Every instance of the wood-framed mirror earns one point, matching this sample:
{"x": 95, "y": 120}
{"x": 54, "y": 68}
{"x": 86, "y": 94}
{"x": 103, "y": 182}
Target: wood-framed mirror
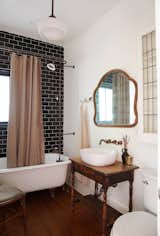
{"x": 115, "y": 100}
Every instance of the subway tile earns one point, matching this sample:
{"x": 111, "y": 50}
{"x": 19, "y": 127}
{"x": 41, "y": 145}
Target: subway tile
{"x": 52, "y": 84}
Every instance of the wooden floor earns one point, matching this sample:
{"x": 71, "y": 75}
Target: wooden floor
{"x": 53, "y": 217}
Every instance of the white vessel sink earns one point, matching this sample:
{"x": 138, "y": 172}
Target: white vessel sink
{"x": 98, "y": 156}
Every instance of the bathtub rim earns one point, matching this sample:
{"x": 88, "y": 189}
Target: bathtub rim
{"x": 25, "y": 168}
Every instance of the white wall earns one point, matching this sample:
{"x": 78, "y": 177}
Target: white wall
{"x": 158, "y": 67}
{"x": 113, "y": 42}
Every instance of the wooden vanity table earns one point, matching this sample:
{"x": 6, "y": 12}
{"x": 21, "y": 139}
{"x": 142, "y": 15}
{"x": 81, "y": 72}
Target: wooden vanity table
{"x": 106, "y": 176}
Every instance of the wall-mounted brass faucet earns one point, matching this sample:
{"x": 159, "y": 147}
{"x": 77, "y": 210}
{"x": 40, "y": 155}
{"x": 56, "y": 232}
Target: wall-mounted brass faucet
{"x": 109, "y": 141}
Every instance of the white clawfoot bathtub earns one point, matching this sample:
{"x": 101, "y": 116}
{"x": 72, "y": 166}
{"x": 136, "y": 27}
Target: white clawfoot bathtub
{"x": 52, "y": 174}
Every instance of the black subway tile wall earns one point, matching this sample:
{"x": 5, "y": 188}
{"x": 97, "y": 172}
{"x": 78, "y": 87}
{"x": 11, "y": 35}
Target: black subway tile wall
{"x": 52, "y": 86}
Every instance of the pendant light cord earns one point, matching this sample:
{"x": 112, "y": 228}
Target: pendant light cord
{"x": 52, "y": 10}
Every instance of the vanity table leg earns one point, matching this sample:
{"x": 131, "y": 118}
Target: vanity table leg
{"x": 96, "y": 190}
{"x": 104, "y": 211}
{"x": 72, "y": 187}
{"x": 130, "y": 194}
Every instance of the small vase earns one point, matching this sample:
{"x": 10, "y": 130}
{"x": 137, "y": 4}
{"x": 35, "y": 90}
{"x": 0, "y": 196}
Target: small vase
{"x": 124, "y": 155}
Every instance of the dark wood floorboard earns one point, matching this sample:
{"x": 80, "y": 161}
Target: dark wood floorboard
{"x": 48, "y": 216}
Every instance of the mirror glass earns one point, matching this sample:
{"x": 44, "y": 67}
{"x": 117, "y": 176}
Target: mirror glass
{"x": 115, "y": 100}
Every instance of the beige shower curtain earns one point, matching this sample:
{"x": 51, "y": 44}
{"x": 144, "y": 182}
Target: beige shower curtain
{"x": 25, "y": 128}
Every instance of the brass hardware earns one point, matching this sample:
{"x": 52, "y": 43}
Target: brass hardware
{"x": 71, "y": 133}
{"x": 109, "y": 141}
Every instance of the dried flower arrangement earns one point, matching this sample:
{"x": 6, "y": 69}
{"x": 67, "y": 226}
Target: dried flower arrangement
{"x": 126, "y": 141}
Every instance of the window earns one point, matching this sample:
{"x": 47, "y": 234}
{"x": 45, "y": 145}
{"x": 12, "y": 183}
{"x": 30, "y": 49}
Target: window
{"x": 4, "y": 98}
{"x": 149, "y": 83}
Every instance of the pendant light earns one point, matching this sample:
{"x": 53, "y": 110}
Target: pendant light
{"x": 51, "y": 28}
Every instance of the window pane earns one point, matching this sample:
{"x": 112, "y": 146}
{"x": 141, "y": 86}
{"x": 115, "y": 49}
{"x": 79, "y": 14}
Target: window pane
{"x": 4, "y": 98}
{"x": 149, "y": 83}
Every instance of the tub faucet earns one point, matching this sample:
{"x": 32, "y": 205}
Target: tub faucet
{"x": 55, "y": 149}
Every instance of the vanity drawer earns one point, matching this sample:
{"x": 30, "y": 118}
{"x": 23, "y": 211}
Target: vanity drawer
{"x": 88, "y": 172}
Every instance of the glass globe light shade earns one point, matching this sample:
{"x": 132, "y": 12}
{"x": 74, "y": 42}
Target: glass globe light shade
{"x": 52, "y": 29}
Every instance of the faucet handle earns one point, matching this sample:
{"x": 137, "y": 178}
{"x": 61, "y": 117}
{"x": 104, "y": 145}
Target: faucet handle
{"x": 108, "y": 141}
{"x": 114, "y": 141}
{"x": 119, "y": 142}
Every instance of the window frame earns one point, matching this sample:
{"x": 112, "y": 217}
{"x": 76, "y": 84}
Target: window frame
{"x": 148, "y": 138}
{"x": 149, "y": 49}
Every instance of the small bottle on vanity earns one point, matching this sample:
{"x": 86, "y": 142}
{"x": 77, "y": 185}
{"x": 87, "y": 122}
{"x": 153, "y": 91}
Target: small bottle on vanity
{"x": 129, "y": 160}
{"x": 125, "y": 154}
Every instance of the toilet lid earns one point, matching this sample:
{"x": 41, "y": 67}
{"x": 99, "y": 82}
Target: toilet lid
{"x": 135, "y": 224}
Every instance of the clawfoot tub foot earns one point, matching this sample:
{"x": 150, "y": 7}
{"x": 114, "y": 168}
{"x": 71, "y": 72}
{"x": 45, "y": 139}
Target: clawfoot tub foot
{"x": 52, "y": 192}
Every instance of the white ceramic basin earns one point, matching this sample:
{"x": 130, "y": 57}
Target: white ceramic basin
{"x": 98, "y": 156}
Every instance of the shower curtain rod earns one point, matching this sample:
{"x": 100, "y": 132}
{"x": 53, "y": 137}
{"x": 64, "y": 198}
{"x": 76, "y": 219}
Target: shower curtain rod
{"x": 8, "y": 69}
{"x": 52, "y": 58}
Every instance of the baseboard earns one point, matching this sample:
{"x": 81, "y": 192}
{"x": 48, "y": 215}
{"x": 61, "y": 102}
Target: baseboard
{"x": 118, "y": 206}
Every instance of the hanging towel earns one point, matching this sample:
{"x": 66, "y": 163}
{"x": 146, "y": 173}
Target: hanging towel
{"x": 85, "y": 139}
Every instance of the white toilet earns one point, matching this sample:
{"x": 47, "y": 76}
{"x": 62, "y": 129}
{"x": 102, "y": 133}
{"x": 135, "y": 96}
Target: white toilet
{"x": 141, "y": 223}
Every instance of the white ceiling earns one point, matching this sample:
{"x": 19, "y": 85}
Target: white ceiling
{"x": 19, "y": 16}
